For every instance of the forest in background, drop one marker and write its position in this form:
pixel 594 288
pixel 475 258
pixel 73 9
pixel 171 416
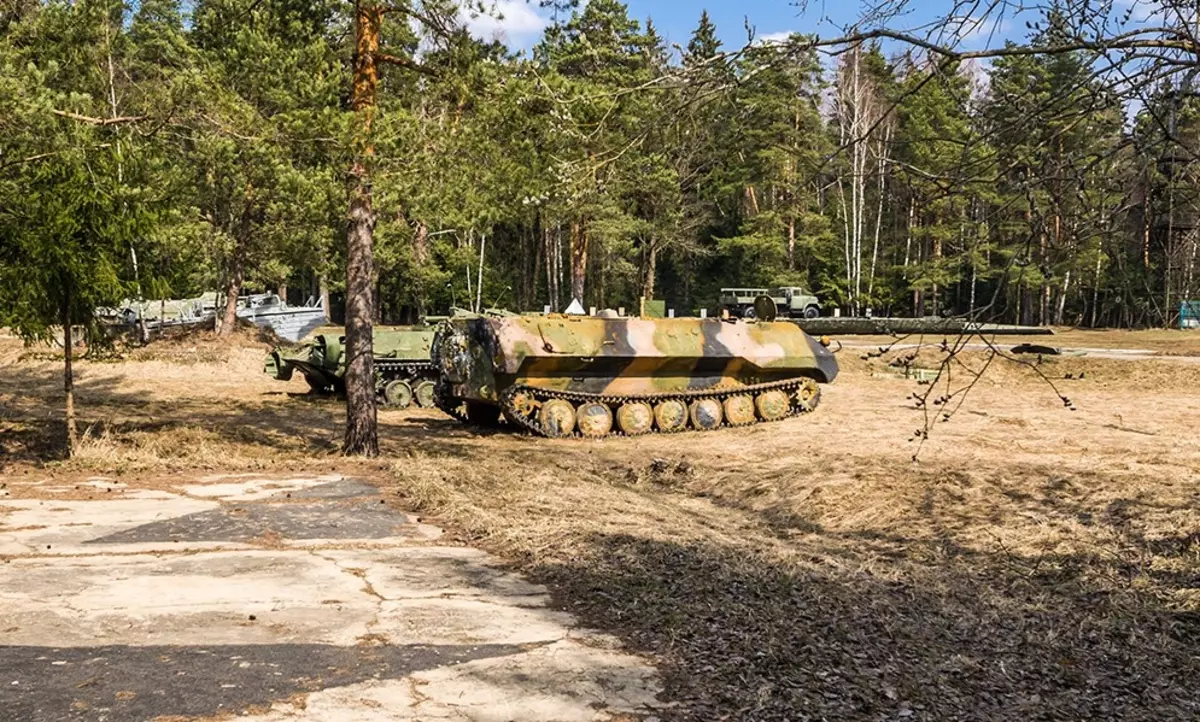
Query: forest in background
pixel 149 152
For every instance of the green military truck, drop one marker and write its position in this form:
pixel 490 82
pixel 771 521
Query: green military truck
pixel 792 301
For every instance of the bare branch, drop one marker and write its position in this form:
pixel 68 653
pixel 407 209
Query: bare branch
pixel 405 63
pixel 100 121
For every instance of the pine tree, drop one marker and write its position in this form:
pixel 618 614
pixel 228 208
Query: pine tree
pixel 597 56
pixel 944 169
pixel 72 189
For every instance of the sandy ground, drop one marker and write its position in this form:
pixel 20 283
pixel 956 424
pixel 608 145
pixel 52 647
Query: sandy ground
pixel 1039 559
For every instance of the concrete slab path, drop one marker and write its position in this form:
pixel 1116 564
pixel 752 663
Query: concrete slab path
pixel 279 600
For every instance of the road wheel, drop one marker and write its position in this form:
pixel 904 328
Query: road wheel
pixel 739 410
pixel 773 405
pixel 706 414
pixel 634 418
pixel 557 417
pixel 812 312
pixel 424 394
pixel 594 418
pixel 671 415
pixel 398 394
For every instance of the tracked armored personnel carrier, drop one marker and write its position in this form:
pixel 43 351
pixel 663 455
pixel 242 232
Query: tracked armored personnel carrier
pixel 590 376
pixel 403 371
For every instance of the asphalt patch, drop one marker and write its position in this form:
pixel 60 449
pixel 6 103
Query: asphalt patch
pixel 128 684
pixel 319 520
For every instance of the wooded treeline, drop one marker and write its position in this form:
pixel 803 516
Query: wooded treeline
pixel 148 152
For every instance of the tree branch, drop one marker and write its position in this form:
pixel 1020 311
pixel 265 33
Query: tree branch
pixel 404 63
pixel 1140 38
pixel 100 121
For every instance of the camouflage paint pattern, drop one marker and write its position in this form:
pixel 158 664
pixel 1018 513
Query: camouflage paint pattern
pixel 481 357
pixel 323 359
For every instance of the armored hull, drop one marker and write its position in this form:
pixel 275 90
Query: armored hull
pixel 561 376
pixel 403 370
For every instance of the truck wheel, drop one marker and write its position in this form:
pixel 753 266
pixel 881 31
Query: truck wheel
pixel 748 312
pixel 812 312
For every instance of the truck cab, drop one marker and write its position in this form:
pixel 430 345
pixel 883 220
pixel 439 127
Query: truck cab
pixel 796 302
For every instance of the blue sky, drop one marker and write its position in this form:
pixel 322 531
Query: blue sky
pixel 523 22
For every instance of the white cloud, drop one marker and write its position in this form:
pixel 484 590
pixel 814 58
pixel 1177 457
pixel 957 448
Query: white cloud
pixel 775 38
pixel 510 21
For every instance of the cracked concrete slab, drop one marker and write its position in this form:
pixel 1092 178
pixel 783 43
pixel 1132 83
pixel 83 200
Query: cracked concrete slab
pixel 282 599
pixel 186 599
pixel 563 682
pixel 436 572
pixel 58 527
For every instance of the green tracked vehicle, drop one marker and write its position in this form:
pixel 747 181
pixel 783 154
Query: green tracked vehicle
pixel 403 371
pixel 595 376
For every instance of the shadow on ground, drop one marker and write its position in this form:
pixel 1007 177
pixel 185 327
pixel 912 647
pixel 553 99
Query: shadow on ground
pixel 119 683
pixel 745 637
pixel 274 426
pixel 1039 599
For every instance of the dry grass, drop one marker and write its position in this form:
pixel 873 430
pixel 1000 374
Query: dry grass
pixel 183 447
pixel 1037 562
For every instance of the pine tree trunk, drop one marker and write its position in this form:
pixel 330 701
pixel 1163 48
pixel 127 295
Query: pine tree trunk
pixel 233 290
pixel 601 294
pixel 361 432
pixel 421 244
pixel 282 292
pixel 421 256
pixel 791 243
pixel 651 270
pixel 551 286
pixel 531 292
pixel 579 258
pixel 68 371
pixel 323 290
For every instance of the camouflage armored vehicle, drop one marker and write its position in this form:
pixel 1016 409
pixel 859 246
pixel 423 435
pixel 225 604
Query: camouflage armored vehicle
pixel 403 371
pixel 592 376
